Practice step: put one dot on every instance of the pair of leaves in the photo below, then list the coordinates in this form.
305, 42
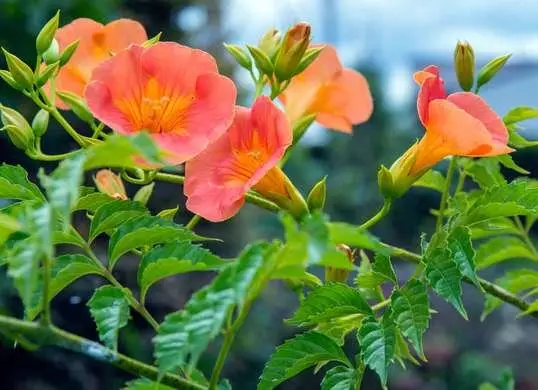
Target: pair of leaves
14, 184
185, 334
381, 272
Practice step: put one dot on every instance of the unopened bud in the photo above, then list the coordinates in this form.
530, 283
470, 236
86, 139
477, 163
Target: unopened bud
395, 182
309, 56
77, 104
68, 52
21, 73
488, 71
317, 195
40, 123
292, 50
46, 73
144, 193
240, 55
8, 78
17, 128
109, 183
52, 54
340, 274
262, 61
46, 35
270, 42
464, 65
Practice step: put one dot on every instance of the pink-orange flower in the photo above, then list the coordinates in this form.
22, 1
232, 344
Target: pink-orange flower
339, 97
460, 124
96, 44
173, 92
245, 157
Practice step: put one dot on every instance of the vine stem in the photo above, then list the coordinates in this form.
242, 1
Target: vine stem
193, 222
489, 287
46, 318
50, 335
379, 216
229, 337
446, 192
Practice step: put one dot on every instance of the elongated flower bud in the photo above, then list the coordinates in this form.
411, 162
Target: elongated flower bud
109, 183
270, 42
291, 52
17, 128
464, 64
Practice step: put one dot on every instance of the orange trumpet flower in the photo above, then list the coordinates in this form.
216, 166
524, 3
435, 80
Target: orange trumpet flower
339, 97
171, 91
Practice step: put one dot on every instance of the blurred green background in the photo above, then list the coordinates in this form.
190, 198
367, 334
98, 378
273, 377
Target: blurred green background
461, 354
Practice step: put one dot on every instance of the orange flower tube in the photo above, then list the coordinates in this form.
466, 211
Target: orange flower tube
244, 158
96, 44
339, 97
460, 124
173, 92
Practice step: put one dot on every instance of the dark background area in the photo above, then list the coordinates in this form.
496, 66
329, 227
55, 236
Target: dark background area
461, 354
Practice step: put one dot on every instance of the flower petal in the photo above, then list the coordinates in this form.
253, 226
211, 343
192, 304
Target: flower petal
478, 108
426, 73
344, 101
432, 88
121, 33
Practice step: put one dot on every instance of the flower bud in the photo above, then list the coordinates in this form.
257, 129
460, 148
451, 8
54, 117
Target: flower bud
464, 65
77, 104
291, 52
340, 274
18, 129
8, 78
317, 195
240, 55
46, 73
21, 73
47, 33
270, 42
68, 52
144, 193
109, 183
262, 61
40, 123
488, 71
52, 54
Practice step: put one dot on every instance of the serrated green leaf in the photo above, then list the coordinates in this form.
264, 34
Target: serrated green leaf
533, 307
68, 237
513, 281
298, 354
91, 202
459, 244
517, 141
494, 227
8, 225
485, 172
519, 114
402, 352
383, 266
500, 249
507, 161
23, 267
185, 334
146, 230
112, 214
330, 301
168, 214
172, 259
65, 270
145, 384
378, 343
432, 179
339, 327
444, 276
110, 310
519, 197
62, 187
343, 233
410, 309
14, 184
123, 151
341, 378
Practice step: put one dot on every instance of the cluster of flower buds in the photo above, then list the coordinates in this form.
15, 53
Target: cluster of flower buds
278, 58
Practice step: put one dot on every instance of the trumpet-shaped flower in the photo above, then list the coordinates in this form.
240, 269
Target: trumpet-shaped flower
460, 124
96, 44
173, 92
339, 97
245, 157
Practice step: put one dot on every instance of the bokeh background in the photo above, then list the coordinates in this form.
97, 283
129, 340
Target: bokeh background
387, 40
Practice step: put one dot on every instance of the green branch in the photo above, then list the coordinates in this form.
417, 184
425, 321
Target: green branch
446, 193
379, 216
489, 287
50, 335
